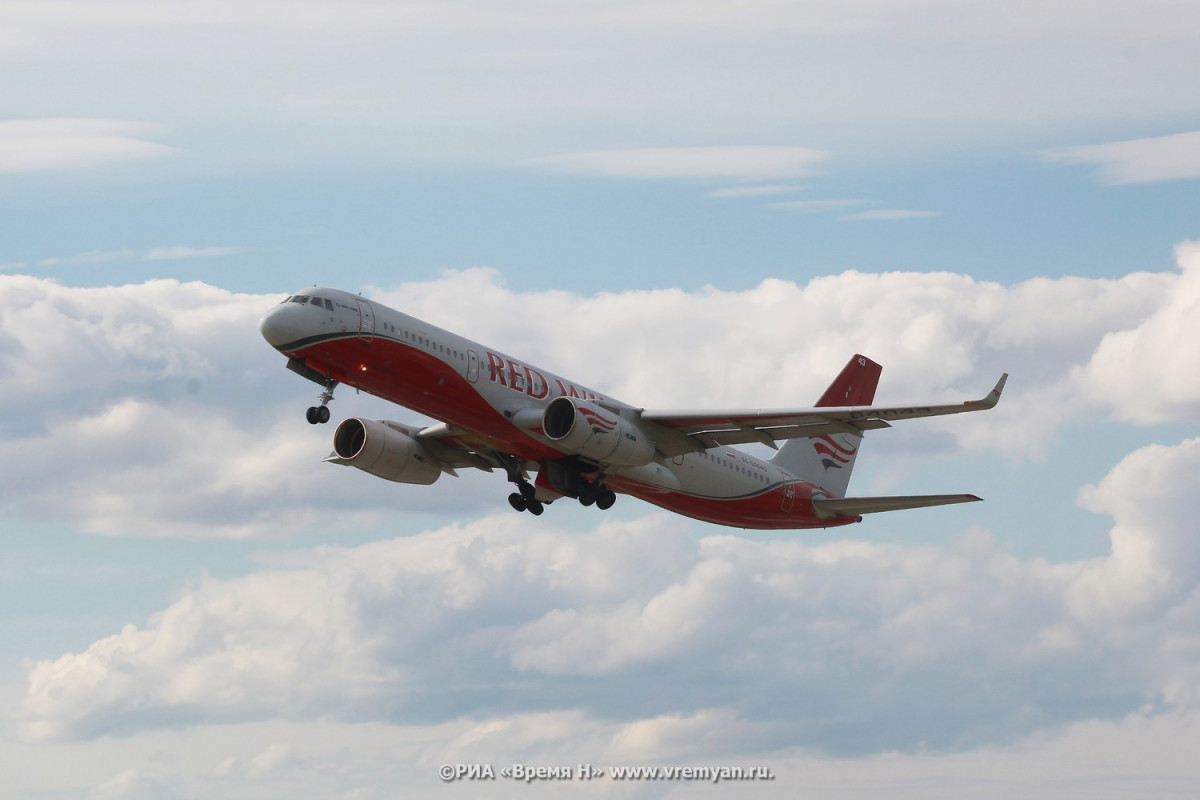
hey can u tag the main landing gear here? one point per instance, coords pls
(570, 477)
(319, 414)
(594, 494)
(583, 480)
(524, 499)
(598, 494)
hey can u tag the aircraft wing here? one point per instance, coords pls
(693, 431)
(457, 447)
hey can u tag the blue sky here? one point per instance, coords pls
(681, 206)
(1001, 219)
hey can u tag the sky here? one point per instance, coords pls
(684, 206)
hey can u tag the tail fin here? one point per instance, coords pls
(827, 460)
(854, 385)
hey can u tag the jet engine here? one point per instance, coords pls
(583, 428)
(384, 450)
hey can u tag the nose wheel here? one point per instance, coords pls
(319, 414)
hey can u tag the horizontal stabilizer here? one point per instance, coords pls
(851, 506)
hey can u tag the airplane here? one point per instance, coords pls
(496, 412)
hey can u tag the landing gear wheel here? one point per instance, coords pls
(320, 413)
(588, 494)
(525, 497)
(317, 415)
(605, 499)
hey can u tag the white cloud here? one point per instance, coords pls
(55, 145)
(584, 75)
(87, 258)
(816, 206)
(938, 335)
(693, 648)
(157, 410)
(137, 468)
(1150, 372)
(831, 206)
(767, 190)
(1156, 561)
(745, 163)
(175, 253)
(183, 251)
(1159, 158)
(888, 215)
(276, 755)
(375, 761)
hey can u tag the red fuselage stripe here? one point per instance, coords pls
(409, 376)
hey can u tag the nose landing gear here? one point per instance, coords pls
(319, 414)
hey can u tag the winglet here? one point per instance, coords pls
(993, 397)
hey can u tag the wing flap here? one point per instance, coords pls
(853, 506)
(677, 442)
(450, 445)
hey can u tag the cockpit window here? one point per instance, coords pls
(319, 302)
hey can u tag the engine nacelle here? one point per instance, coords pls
(385, 452)
(583, 428)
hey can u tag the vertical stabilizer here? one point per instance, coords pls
(827, 460)
(854, 385)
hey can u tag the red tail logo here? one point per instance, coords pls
(833, 455)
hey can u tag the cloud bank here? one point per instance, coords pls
(725, 163)
(1158, 158)
(472, 81)
(58, 145)
(697, 646)
(103, 379)
(141, 410)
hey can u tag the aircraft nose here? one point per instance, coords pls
(281, 325)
